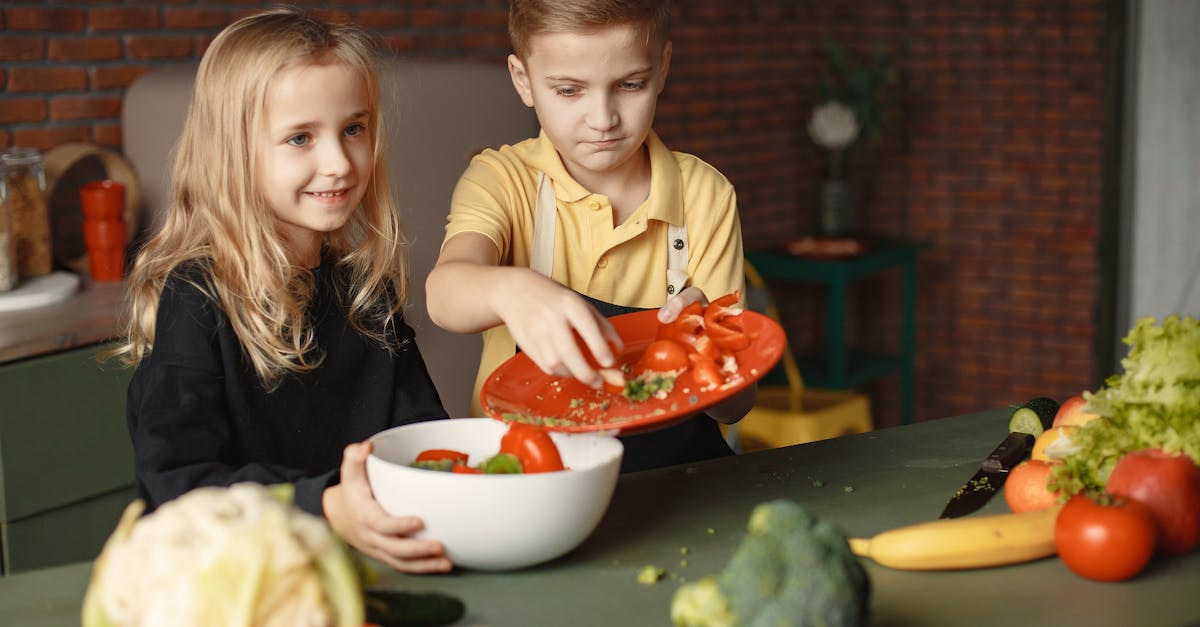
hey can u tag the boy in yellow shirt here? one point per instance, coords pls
(594, 217)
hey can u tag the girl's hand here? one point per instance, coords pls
(544, 318)
(357, 517)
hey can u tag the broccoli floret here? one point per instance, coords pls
(792, 569)
(701, 604)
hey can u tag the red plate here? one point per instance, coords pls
(519, 390)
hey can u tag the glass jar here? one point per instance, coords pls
(23, 187)
(8, 248)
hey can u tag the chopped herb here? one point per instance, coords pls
(642, 388)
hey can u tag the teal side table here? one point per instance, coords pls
(840, 367)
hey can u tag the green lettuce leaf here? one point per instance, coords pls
(1154, 403)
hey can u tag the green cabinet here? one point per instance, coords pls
(66, 463)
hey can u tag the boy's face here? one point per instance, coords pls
(594, 94)
(314, 154)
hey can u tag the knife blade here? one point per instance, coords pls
(990, 477)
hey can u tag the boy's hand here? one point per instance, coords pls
(736, 406)
(675, 304)
(544, 318)
(356, 516)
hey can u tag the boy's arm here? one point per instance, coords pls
(468, 291)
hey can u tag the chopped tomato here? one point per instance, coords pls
(706, 347)
(663, 356)
(705, 372)
(464, 469)
(442, 454)
(533, 446)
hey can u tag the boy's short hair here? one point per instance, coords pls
(527, 18)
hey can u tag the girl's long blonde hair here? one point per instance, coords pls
(220, 222)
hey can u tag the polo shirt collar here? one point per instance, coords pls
(666, 202)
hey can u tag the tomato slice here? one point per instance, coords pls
(442, 454)
(464, 469)
(533, 446)
(663, 356)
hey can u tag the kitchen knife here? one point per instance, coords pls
(991, 475)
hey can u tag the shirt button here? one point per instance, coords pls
(603, 263)
(594, 206)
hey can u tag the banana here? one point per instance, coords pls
(957, 543)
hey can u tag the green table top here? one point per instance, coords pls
(897, 476)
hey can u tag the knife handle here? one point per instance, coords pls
(1010, 452)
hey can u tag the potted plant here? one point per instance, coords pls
(853, 96)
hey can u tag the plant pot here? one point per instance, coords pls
(103, 200)
(837, 208)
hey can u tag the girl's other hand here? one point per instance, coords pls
(357, 517)
(675, 304)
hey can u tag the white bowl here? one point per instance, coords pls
(495, 522)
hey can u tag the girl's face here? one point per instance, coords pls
(594, 94)
(315, 152)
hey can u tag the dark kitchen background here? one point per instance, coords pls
(1003, 150)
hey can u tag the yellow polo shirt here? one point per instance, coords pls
(625, 265)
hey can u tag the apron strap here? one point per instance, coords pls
(541, 258)
(545, 218)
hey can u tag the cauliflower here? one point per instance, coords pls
(793, 569)
(235, 556)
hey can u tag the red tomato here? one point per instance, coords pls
(663, 356)
(1111, 540)
(464, 469)
(1169, 485)
(439, 454)
(705, 372)
(533, 446)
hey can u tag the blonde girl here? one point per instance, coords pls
(265, 314)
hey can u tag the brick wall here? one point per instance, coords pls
(993, 153)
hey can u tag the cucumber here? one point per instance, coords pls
(1045, 408)
(400, 608)
(1033, 417)
(1025, 420)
